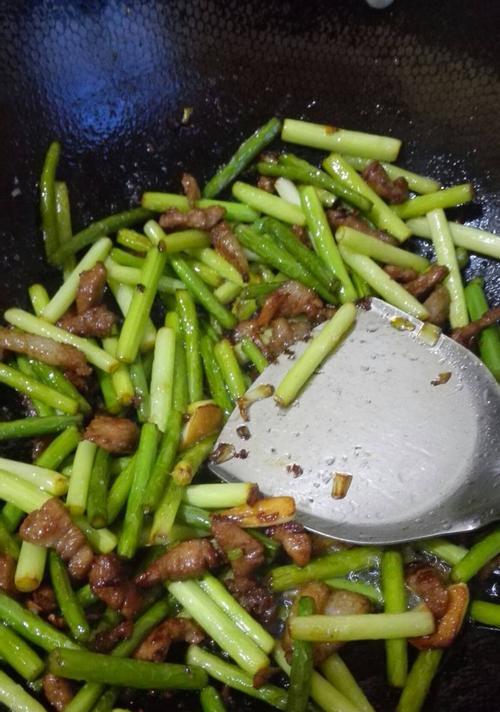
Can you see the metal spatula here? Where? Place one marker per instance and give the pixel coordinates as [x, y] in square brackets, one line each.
[423, 451]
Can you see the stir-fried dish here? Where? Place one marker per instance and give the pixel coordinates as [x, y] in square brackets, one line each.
[126, 573]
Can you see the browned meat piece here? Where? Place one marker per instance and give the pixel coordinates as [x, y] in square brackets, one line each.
[7, 572]
[339, 603]
[199, 218]
[96, 322]
[401, 274]
[346, 603]
[254, 596]
[191, 188]
[429, 585]
[393, 191]
[91, 288]
[244, 552]
[107, 639]
[295, 541]
[465, 335]
[340, 216]
[116, 435]
[285, 333]
[226, 244]
[42, 601]
[156, 645]
[423, 285]
[111, 583]
[438, 305]
[289, 300]
[266, 183]
[269, 157]
[58, 691]
[448, 627]
[249, 329]
[319, 592]
[46, 350]
[51, 526]
[188, 559]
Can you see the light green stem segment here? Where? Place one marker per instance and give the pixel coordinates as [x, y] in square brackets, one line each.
[201, 293]
[162, 378]
[227, 291]
[365, 589]
[314, 354]
[164, 201]
[176, 241]
[243, 620]
[32, 388]
[254, 354]
[134, 515]
[210, 700]
[443, 549]
[65, 295]
[64, 229]
[30, 567]
[101, 540]
[134, 326]
[190, 331]
[120, 378]
[466, 236]
[31, 627]
[330, 138]
[76, 500]
[419, 681]
[96, 230]
[446, 255]
[211, 259]
[22, 494]
[486, 613]
[381, 283]
[301, 667]
[88, 695]
[250, 148]
[479, 555]
[231, 371]
[326, 696]
[489, 339]
[39, 298]
[442, 199]
[381, 214]
[165, 514]
[221, 495]
[33, 325]
[267, 203]
[138, 674]
[15, 698]
[338, 674]
[324, 244]
[48, 480]
[394, 593]
[219, 626]
[124, 294]
[67, 600]
[416, 183]
[235, 677]
[381, 251]
[369, 626]
[48, 212]
[339, 563]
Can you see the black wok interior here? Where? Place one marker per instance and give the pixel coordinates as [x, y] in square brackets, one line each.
[110, 80]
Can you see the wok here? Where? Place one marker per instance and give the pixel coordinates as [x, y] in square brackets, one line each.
[110, 79]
